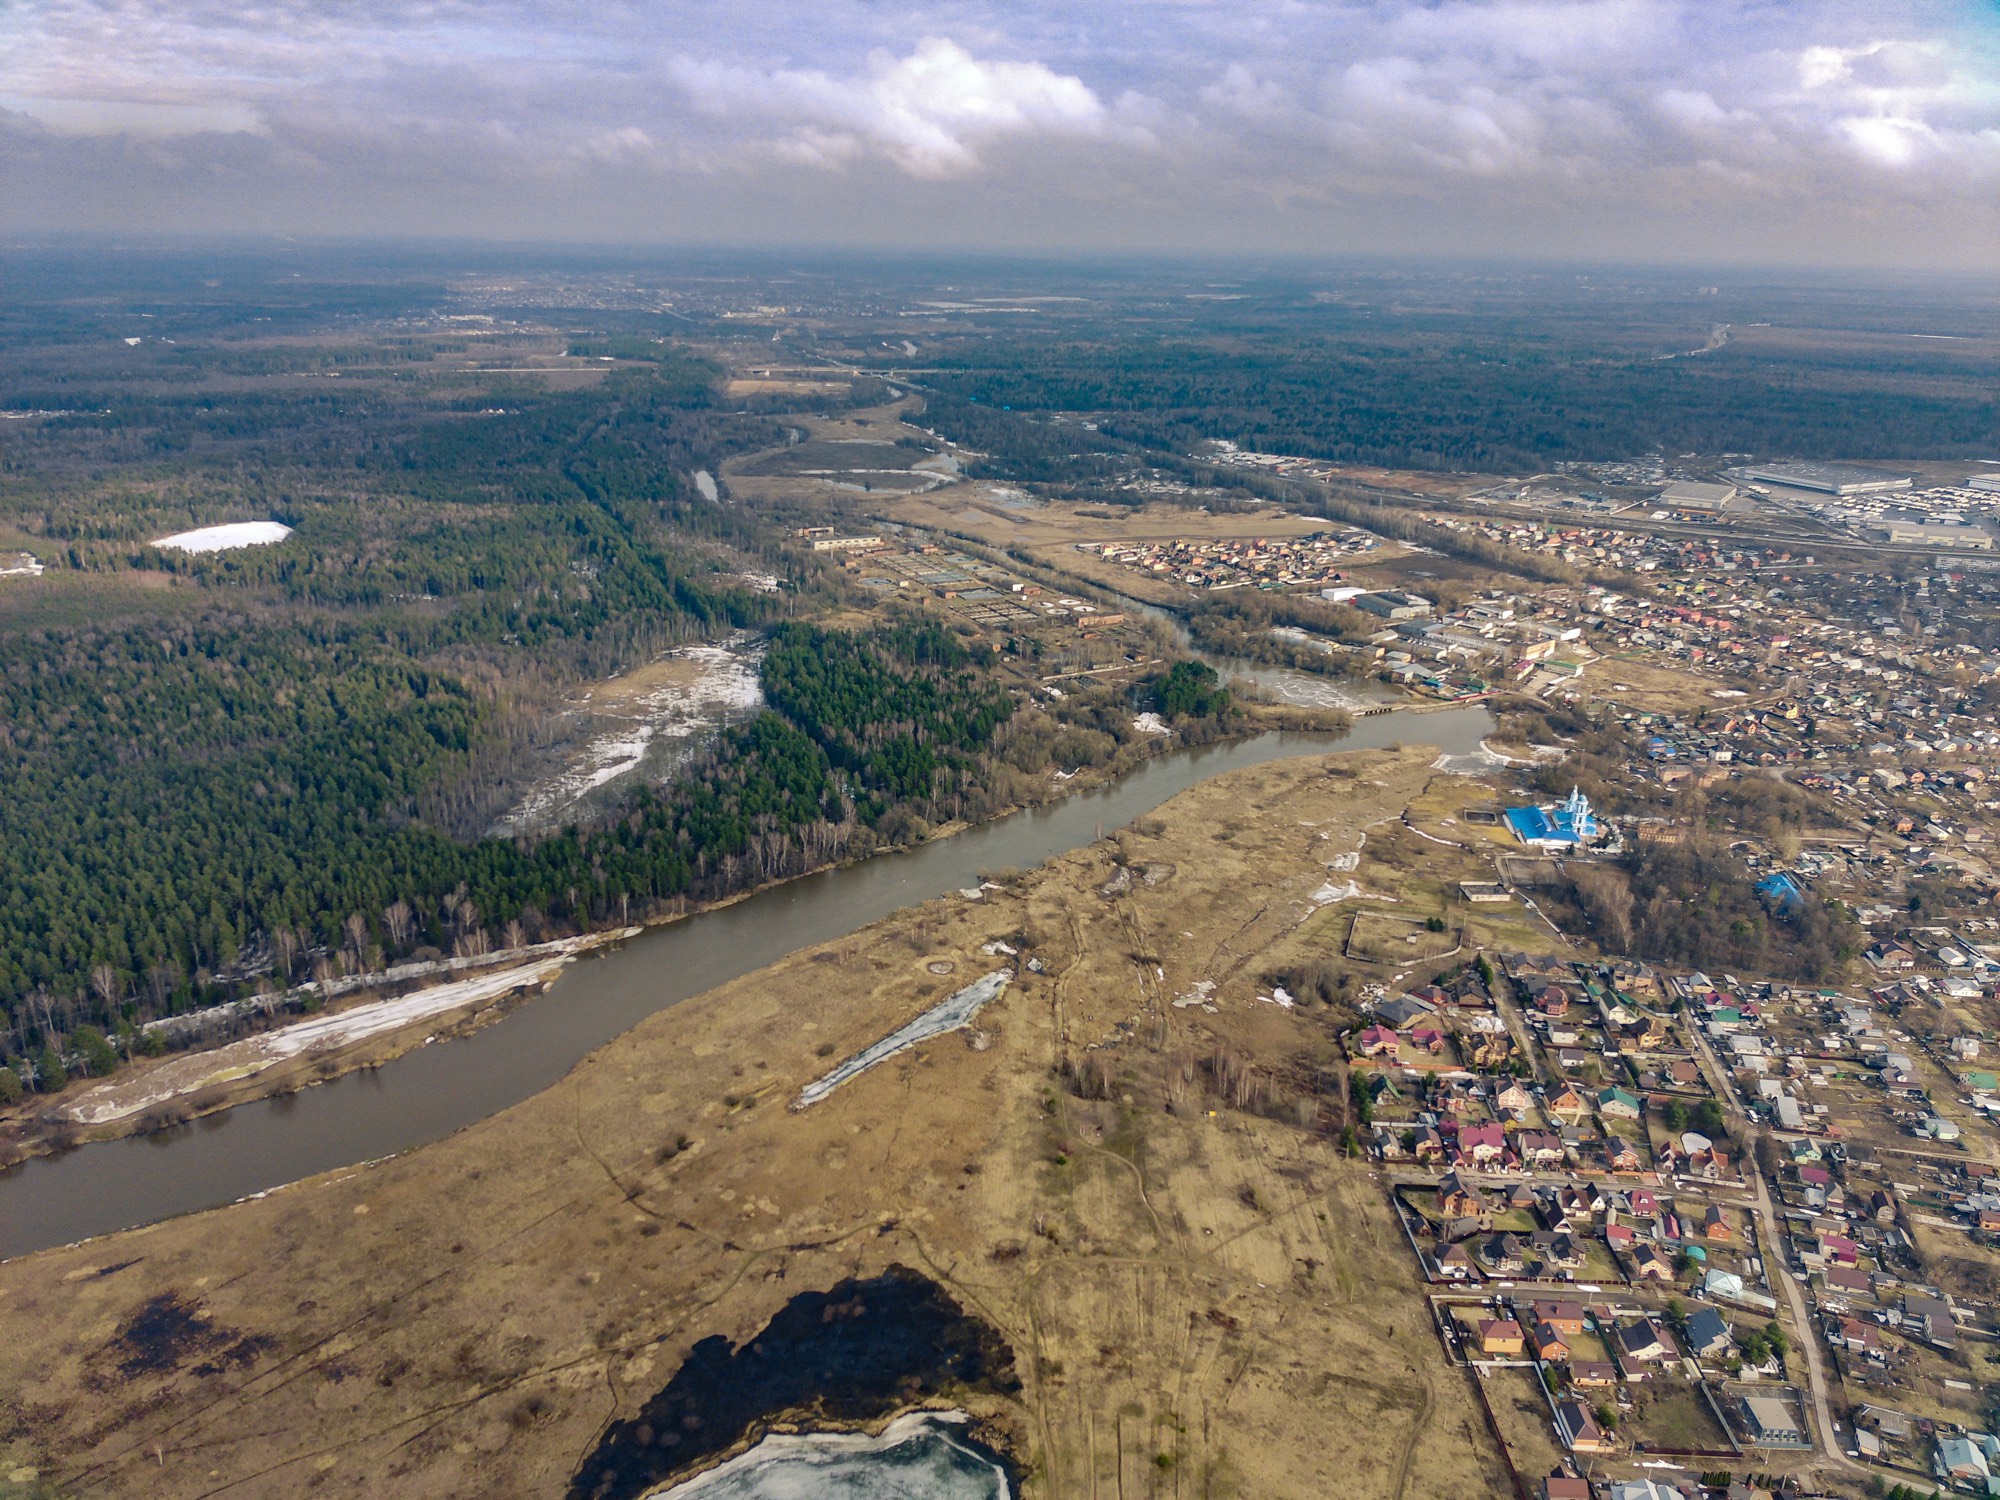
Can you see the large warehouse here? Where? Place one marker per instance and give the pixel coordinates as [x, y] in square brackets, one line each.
[1827, 479]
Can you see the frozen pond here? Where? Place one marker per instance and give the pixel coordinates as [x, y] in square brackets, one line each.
[922, 1456]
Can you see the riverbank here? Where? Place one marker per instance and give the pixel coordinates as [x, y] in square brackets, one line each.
[146, 1096]
[429, 1092]
[151, 1094]
[1186, 1286]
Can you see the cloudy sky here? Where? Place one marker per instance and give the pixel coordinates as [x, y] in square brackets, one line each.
[1785, 131]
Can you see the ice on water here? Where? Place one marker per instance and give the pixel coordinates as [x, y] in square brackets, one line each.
[922, 1456]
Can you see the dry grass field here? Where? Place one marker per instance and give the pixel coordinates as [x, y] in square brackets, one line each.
[1202, 1299]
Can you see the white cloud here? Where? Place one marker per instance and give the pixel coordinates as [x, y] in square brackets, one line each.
[1239, 91]
[928, 112]
[1264, 121]
[138, 117]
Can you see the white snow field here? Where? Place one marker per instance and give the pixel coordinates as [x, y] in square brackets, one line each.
[227, 537]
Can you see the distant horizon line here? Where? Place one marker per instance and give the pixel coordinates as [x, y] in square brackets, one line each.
[267, 242]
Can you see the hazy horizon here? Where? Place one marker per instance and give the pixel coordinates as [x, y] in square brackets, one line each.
[1614, 132]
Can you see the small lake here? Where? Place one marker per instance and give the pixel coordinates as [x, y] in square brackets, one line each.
[432, 1091]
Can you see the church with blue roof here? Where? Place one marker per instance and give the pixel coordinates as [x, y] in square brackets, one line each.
[1555, 825]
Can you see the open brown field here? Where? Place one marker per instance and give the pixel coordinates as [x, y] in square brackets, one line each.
[1201, 1298]
[1647, 685]
[740, 387]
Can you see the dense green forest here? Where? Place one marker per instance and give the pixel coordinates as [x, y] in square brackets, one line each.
[236, 776]
[1486, 400]
[275, 817]
[237, 769]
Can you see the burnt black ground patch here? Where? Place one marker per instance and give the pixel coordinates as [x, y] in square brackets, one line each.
[169, 1331]
[855, 1353]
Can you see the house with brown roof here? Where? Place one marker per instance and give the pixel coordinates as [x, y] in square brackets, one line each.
[1500, 1336]
[1593, 1374]
[1567, 1103]
[1456, 1197]
[1563, 1317]
[1454, 1262]
[1650, 1264]
[1715, 1226]
[1539, 1148]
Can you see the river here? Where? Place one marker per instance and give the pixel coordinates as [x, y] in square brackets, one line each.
[431, 1091]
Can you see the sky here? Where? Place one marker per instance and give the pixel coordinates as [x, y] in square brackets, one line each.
[1778, 132]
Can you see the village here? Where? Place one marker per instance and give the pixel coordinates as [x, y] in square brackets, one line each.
[1689, 1231]
[1630, 1280]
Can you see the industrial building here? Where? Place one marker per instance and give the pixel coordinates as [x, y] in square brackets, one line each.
[1934, 534]
[1771, 1423]
[1827, 479]
[1989, 483]
[1686, 494]
[1393, 605]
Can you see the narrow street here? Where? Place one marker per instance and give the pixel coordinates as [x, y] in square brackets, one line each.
[1775, 1264]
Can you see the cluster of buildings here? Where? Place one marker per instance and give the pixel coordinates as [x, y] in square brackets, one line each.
[1625, 550]
[1240, 562]
[1563, 1159]
[1944, 515]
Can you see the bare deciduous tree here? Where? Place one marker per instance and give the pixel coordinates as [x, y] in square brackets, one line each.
[398, 919]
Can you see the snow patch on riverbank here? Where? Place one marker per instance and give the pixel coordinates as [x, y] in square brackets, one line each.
[116, 1100]
[949, 1014]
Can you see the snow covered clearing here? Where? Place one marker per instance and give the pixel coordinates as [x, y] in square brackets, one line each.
[1330, 893]
[717, 685]
[226, 537]
[1202, 994]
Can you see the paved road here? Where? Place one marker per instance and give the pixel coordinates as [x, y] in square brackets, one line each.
[1775, 1261]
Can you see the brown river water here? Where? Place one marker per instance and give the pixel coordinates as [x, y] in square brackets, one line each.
[432, 1091]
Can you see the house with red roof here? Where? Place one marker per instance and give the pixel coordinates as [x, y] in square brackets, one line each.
[1380, 1041]
[1482, 1143]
